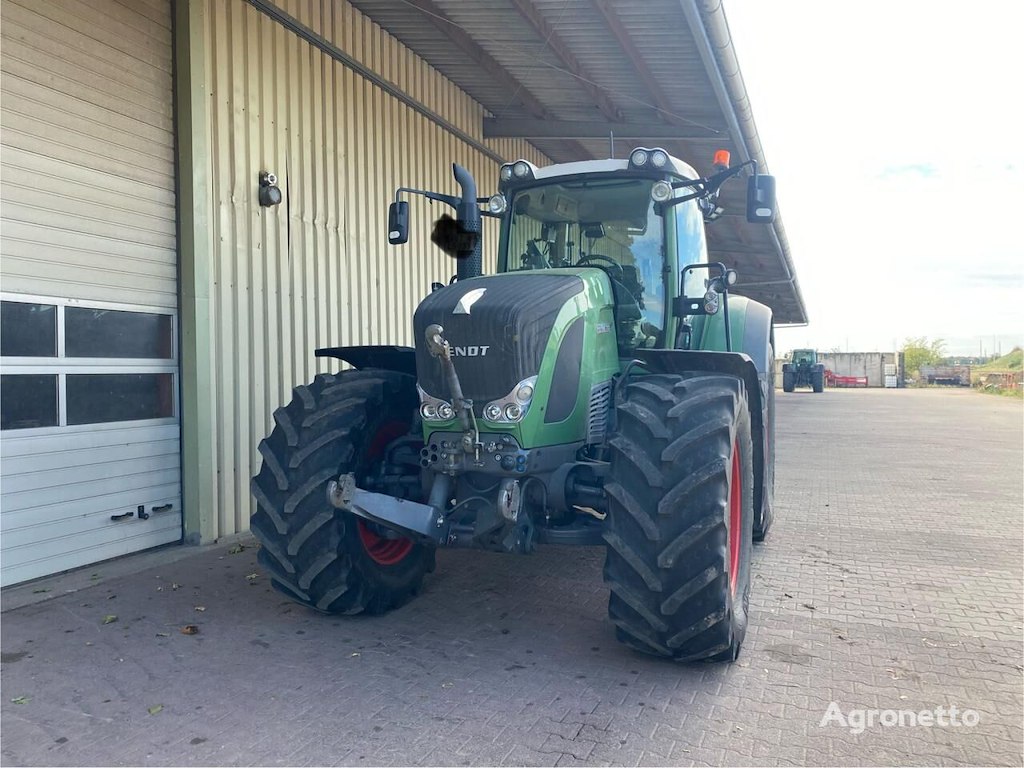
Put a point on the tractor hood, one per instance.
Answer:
(498, 326)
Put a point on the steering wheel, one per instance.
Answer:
(599, 257)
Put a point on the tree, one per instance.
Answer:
(918, 351)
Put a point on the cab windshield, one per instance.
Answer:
(605, 223)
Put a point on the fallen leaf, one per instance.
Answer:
(109, 618)
(190, 629)
(236, 549)
(94, 576)
(88, 643)
(809, 607)
(200, 608)
(252, 577)
(155, 709)
(447, 685)
(163, 634)
(40, 591)
(354, 654)
(20, 700)
(175, 586)
(111, 597)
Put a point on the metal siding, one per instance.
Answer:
(87, 210)
(317, 270)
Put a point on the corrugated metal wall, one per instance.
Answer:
(316, 270)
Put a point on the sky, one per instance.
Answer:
(895, 131)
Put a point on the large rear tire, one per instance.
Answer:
(818, 379)
(788, 380)
(319, 556)
(680, 490)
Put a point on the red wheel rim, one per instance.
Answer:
(381, 550)
(735, 516)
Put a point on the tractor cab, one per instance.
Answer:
(805, 357)
(639, 220)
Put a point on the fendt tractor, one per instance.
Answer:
(803, 370)
(603, 388)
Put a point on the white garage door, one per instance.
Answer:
(89, 426)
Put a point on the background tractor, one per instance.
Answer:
(803, 370)
(603, 388)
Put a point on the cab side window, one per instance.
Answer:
(691, 246)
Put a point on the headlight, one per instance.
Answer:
(506, 173)
(638, 157)
(521, 169)
(661, 191)
(492, 412)
(524, 393)
(659, 158)
(513, 412)
(445, 412)
(497, 203)
(428, 411)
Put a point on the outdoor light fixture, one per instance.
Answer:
(269, 193)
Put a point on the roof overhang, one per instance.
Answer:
(575, 77)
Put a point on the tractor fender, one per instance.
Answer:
(758, 332)
(386, 356)
(757, 340)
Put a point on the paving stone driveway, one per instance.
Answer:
(893, 580)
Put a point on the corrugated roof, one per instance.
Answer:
(658, 63)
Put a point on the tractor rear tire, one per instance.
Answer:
(788, 380)
(680, 490)
(818, 379)
(322, 557)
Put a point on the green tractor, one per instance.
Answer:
(803, 370)
(603, 388)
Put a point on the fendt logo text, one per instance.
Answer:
(473, 351)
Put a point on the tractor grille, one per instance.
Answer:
(502, 339)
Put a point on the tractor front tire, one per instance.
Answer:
(322, 557)
(680, 519)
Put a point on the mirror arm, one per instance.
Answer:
(707, 187)
(447, 199)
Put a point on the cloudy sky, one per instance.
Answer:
(896, 133)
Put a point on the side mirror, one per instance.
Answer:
(761, 199)
(398, 222)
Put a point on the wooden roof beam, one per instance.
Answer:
(531, 128)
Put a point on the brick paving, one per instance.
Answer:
(892, 580)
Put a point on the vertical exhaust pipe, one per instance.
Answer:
(467, 214)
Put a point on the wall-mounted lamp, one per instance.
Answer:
(269, 192)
